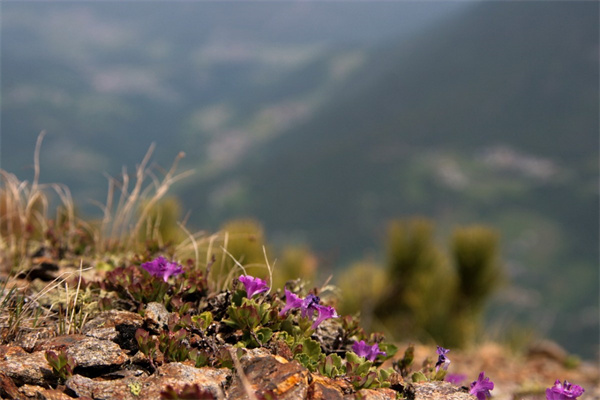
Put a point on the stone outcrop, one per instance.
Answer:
(106, 370)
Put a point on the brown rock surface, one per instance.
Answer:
(38, 392)
(176, 375)
(322, 388)
(23, 367)
(268, 375)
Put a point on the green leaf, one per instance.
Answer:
(311, 348)
(353, 358)
(264, 335)
(419, 377)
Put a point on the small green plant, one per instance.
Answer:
(172, 345)
(62, 364)
(146, 344)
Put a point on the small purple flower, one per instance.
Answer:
(442, 361)
(455, 379)
(324, 313)
(161, 268)
(253, 285)
(563, 391)
(309, 305)
(362, 349)
(481, 387)
(291, 301)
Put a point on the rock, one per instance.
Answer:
(59, 342)
(38, 392)
(29, 338)
(23, 367)
(375, 394)
(436, 390)
(322, 388)
(87, 351)
(92, 352)
(329, 334)
(8, 389)
(176, 375)
(268, 375)
(156, 317)
(105, 325)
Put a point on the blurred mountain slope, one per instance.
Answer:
(490, 117)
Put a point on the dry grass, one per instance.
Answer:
(130, 220)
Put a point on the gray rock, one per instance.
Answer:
(437, 390)
(92, 352)
(86, 351)
(156, 316)
(103, 326)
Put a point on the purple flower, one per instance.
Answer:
(362, 349)
(161, 268)
(455, 379)
(442, 361)
(324, 313)
(291, 301)
(563, 391)
(481, 387)
(309, 305)
(253, 285)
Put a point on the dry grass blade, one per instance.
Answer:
(123, 224)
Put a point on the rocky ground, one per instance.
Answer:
(110, 367)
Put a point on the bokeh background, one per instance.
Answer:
(326, 121)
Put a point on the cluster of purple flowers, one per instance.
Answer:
(308, 306)
(362, 349)
(563, 391)
(161, 268)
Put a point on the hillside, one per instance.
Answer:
(107, 79)
(491, 117)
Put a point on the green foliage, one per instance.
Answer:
(475, 255)
(419, 281)
(244, 241)
(422, 293)
(62, 364)
(363, 286)
(331, 366)
(162, 222)
(146, 344)
(172, 345)
(295, 262)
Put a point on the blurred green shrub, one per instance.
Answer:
(424, 293)
(293, 263)
(161, 223)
